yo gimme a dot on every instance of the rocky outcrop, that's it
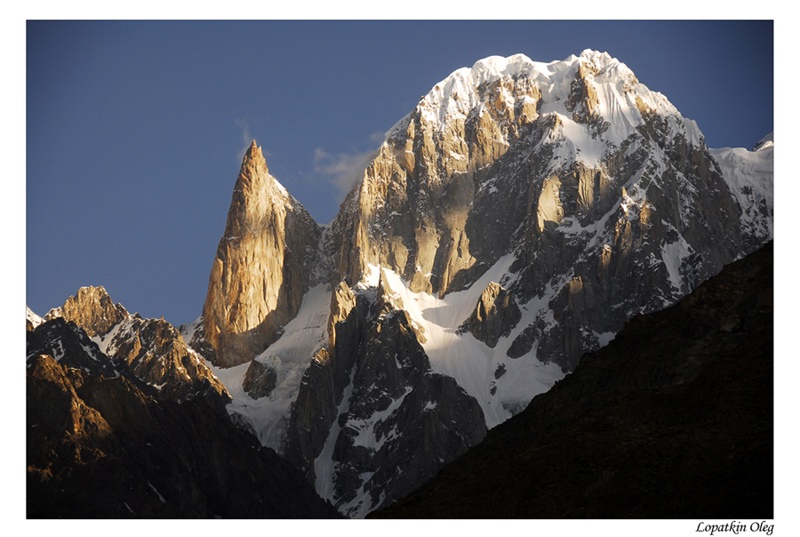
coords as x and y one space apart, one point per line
411 211
496 313
264 264
92 309
322 389
673 419
150 349
155 352
372 420
259 380
68 344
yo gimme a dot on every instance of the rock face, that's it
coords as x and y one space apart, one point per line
673 419
152 350
103 444
495 315
425 189
92 309
259 380
396 422
263 267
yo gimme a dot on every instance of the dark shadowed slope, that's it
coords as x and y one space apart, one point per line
104 443
673 419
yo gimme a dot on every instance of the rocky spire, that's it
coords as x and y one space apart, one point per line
262 266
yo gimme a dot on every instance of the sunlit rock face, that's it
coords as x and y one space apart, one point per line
151 350
411 213
92 309
602 191
495 314
262 267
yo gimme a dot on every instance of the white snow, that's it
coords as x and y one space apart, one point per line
578 144
619 97
34 319
750 178
366 428
289 357
469 361
58 352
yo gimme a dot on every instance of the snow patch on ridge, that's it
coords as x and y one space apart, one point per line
324 467
32 318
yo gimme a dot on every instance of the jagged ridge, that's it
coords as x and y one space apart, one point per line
140 432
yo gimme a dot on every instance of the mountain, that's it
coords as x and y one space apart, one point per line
128 422
262 267
749 178
509 224
672 419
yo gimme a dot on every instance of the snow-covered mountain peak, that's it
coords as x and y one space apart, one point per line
767 142
602 61
593 89
494 67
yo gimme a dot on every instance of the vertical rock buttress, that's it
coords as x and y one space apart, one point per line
262 266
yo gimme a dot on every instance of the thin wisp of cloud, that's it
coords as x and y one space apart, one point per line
342 170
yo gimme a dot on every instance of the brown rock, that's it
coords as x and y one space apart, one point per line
92 309
495 314
262 267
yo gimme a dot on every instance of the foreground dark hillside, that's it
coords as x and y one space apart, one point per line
673 419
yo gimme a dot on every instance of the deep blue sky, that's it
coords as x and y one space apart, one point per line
135 130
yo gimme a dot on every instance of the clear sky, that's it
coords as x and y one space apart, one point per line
135 130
